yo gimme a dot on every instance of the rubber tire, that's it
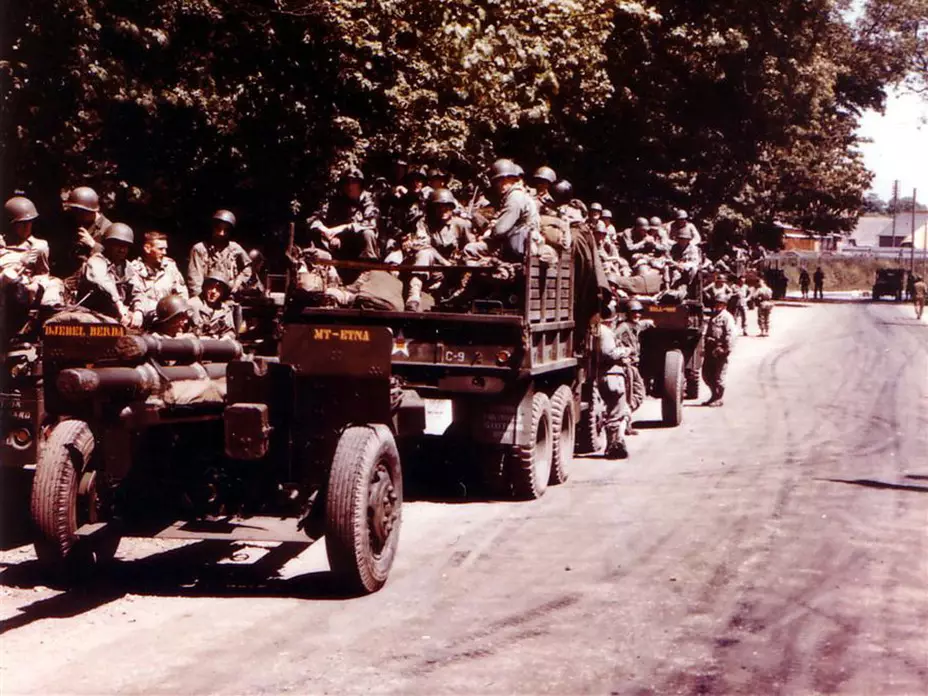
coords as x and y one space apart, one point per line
564 431
347 537
672 393
54 502
530 465
591 434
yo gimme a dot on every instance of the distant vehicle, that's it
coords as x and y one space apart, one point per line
889 281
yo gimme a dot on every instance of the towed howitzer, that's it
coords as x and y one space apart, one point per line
138 382
179 350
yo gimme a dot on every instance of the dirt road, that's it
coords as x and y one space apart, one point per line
776 545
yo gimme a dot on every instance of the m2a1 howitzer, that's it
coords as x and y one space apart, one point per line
148 444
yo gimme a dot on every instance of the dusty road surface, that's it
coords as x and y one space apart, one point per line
776 545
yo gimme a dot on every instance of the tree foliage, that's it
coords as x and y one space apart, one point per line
738 110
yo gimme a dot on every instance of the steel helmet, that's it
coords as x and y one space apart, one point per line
597 207
218 278
685 233
352 174
83 198
505 169
562 191
682 215
607 214
656 221
641 222
436 173
442 196
417 173
168 308
119 232
634 306
226 216
545 174
20 209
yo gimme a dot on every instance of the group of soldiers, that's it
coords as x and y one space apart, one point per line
147 292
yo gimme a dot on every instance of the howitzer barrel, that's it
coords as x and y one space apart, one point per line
183 350
130 382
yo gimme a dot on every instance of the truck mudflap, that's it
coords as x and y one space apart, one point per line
506 420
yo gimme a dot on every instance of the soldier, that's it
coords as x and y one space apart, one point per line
107 280
919 290
763 298
568 209
346 224
256 283
596 213
637 241
682 222
211 311
805 280
34 253
719 291
741 293
172 316
685 259
818 278
608 225
720 336
629 335
83 207
157 275
613 360
220 255
517 223
542 181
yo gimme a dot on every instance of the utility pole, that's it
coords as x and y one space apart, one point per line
892 242
914 206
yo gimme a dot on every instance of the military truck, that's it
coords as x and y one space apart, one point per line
889 281
499 378
183 438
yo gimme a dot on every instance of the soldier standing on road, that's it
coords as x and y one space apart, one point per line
83 207
107 280
158 275
219 255
818 293
741 293
919 290
211 311
613 359
763 298
719 340
804 282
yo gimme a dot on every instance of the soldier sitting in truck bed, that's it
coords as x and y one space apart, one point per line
211 311
107 281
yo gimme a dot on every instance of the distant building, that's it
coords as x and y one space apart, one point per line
877 231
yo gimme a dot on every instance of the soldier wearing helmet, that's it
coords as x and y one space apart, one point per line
682 222
595 214
212 312
347 223
719 341
542 181
83 208
108 282
516 225
568 209
637 241
614 358
685 259
22 251
220 254
157 274
172 316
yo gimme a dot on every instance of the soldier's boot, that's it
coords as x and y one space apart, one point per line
615 441
414 296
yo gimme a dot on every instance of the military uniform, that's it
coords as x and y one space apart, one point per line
360 240
156 283
212 322
804 282
515 227
110 288
612 388
919 290
32 254
818 278
763 298
719 340
230 260
741 293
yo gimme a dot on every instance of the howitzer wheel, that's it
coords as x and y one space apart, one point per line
564 429
363 504
530 464
672 394
64 498
591 430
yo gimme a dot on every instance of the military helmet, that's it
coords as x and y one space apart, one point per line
119 232
607 214
226 216
641 222
436 173
562 191
682 215
634 306
545 174
656 221
20 209
416 173
83 198
220 279
597 207
685 233
505 169
351 174
255 256
441 196
168 308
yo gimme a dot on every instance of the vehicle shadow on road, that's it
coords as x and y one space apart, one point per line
870 483
189 571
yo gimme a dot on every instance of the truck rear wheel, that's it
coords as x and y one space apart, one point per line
64 499
564 430
363 505
672 394
531 463
591 432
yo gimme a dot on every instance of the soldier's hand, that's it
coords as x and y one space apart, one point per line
135 320
84 238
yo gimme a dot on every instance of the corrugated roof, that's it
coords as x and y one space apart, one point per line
871 227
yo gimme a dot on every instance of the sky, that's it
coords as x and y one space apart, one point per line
900 146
